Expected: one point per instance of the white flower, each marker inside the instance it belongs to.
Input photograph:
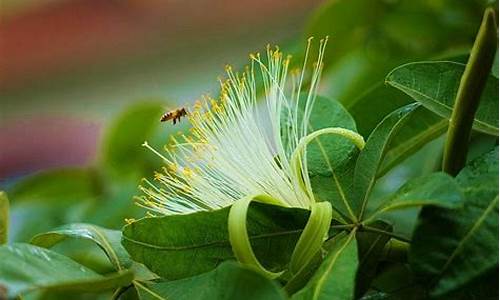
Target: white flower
(235, 147)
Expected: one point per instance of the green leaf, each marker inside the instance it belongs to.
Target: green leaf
(335, 278)
(371, 157)
(122, 150)
(227, 281)
(382, 36)
(332, 18)
(370, 249)
(437, 189)
(57, 186)
(4, 218)
(435, 85)
(422, 127)
(374, 104)
(328, 156)
(407, 292)
(180, 246)
(25, 268)
(453, 247)
(48, 199)
(328, 152)
(396, 281)
(108, 240)
(116, 204)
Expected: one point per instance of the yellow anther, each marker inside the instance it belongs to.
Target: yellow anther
(150, 214)
(188, 173)
(173, 140)
(129, 221)
(172, 168)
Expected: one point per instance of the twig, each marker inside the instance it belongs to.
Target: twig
(469, 93)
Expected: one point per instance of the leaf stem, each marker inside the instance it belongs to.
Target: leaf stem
(119, 291)
(384, 232)
(343, 226)
(467, 100)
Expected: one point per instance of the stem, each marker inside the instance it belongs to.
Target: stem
(467, 100)
(343, 226)
(387, 233)
(119, 291)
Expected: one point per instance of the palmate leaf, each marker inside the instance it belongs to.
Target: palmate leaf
(371, 157)
(335, 277)
(227, 281)
(180, 246)
(453, 247)
(435, 85)
(25, 268)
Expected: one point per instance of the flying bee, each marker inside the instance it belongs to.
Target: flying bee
(174, 115)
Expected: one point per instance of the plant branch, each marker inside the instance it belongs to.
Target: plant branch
(119, 291)
(346, 226)
(469, 93)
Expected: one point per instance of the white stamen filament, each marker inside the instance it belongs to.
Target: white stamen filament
(230, 153)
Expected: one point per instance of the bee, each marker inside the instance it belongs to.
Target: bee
(174, 115)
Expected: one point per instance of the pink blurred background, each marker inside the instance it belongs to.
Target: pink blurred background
(68, 66)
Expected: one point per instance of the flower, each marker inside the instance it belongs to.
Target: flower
(239, 145)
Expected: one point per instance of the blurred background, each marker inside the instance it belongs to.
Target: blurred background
(84, 82)
(68, 66)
